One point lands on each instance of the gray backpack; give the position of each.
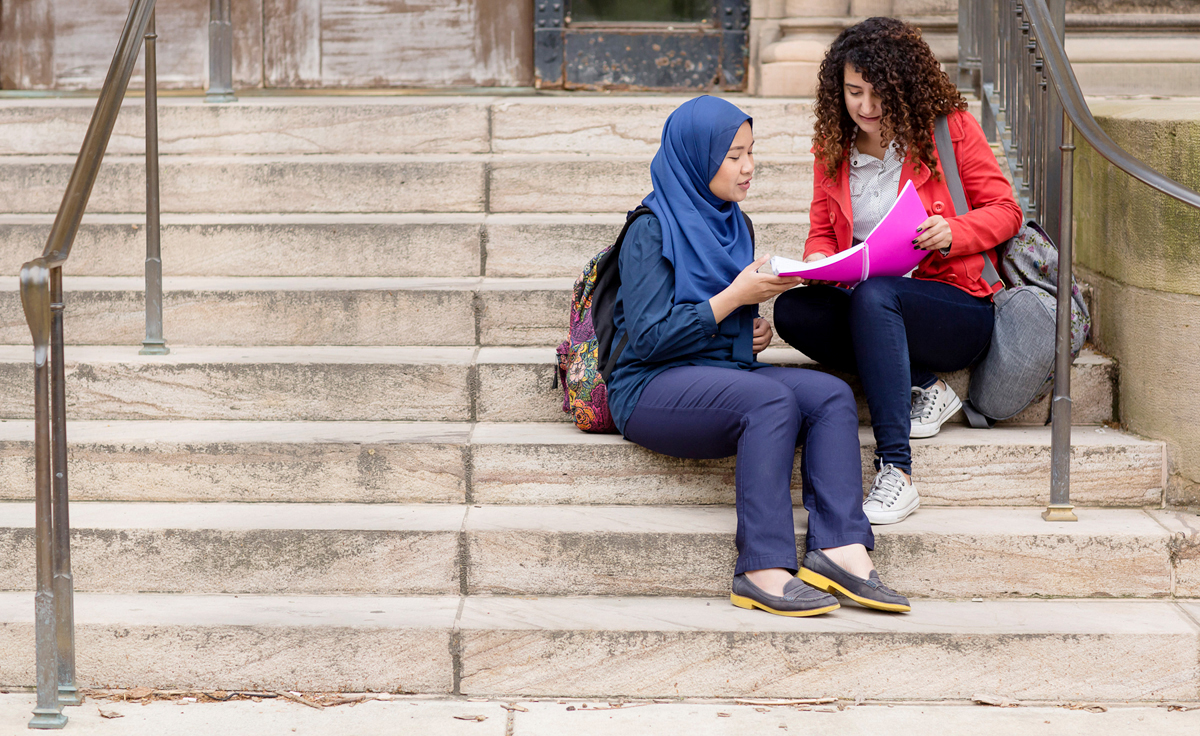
(1018, 367)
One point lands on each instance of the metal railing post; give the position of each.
(64, 587)
(42, 299)
(968, 47)
(35, 298)
(1060, 508)
(154, 342)
(1054, 128)
(220, 53)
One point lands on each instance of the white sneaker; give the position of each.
(931, 407)
(892, 498)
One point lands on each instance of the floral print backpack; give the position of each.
(586, 358)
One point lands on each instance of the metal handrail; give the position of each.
(1058, 69)
(42, 299)
(1020, 112)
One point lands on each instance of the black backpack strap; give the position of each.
(945, 151)
(608, 280)
(609, 270)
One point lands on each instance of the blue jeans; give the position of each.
(762, 416)
(894, 333)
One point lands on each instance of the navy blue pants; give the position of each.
(894, 333)
(762, 416)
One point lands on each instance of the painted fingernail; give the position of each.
(914, 241)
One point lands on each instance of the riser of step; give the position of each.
(307, 311)
(634, 647)
(372, 384)
(432, 549)
(326, 643)
(516, 384)
(621, 126)
(276, 311)
(935, 553)
(1035, 649)
(386, 462)
(376, 183)
(504, 246)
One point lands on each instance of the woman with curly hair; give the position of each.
(879, 93)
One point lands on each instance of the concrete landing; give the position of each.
(522, 717)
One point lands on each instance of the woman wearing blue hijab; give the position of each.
(687, 383)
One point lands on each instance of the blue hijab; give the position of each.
(704, 237)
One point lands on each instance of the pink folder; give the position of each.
(887, 250)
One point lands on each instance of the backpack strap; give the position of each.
(976, 419)
(945, 151)
(610, 266)
(608, 279)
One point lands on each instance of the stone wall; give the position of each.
(1140, 250)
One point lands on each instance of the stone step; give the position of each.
(373, 383)
(935, 553)
(395, 245)
(377, 183)
(1030, 650)
(256, 184)
(309, 311)
(617, 184)
(438, 549)
(294, 642)
(1052, 650)
(530, 395)
(292, 549)
(253, 383)
(515, 464)
(580, 123)
(554, 463)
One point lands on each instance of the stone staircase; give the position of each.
(352, 472)
(1116, 47)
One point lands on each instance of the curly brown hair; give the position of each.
(893, 58)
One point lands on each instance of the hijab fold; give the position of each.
(704, 237)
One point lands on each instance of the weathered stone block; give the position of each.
(555, 184)
(325, 643)
(1034, 650)
(306, 462)
(291, 549)
(253, 184)
(261, 245)
(257, 384)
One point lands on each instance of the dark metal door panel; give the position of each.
(641, 56)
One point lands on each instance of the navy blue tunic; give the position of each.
(663, 334)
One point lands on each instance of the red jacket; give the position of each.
(995, 215)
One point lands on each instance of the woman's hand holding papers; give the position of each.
(750, 287)
(934, 234)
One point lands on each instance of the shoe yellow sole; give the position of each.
(820, 582)
(742, 601)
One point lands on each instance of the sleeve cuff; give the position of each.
(708, 323)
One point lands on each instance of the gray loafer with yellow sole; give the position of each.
(824, 574)
(798, 599)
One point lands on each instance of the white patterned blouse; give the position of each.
(874, 187)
